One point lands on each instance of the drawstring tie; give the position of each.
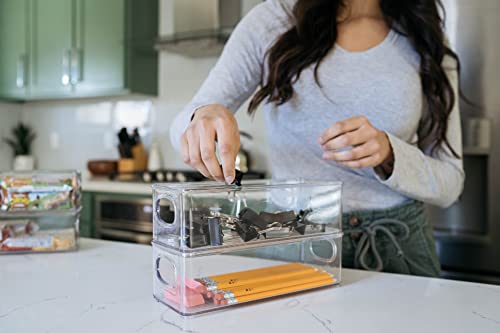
(367, 241)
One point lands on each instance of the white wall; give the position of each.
(10, 114)
(71, 132)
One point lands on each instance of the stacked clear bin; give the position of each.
(216, 246)
(39, 211)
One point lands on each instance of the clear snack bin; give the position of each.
(217, 246)
(39, 211)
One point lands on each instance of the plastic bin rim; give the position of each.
(208, 250)
(252, 185)
(40, 213)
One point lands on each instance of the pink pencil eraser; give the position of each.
(201, 289)
(193, 284)
(191, 297)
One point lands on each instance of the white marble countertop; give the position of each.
(107, 287)
(108, 186)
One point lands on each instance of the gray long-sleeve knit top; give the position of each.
(381, 83)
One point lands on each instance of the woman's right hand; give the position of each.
(210, 124)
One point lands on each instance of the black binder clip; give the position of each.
(238, 177)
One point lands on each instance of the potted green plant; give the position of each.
(20, 142)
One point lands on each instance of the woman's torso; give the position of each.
(381, 83)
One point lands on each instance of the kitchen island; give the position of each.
(107, 287)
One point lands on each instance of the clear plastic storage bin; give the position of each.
(39, 211)
(217, 246)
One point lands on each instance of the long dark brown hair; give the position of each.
(314, 33)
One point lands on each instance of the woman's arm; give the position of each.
(438, 179)
(230, 83)
(435, 179)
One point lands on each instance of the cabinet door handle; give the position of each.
(76, 66)
(21, 71)
(65, 78)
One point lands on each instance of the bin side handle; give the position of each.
(170, 227)
(158, 273)
(321, 259)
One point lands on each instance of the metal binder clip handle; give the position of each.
(276, 226)
(238, 177)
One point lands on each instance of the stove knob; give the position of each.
(146, 177)
(160, 176)
(181, 178)
(170, 176)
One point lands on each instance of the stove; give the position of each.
(172, 176)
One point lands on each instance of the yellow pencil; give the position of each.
(288, 281)
(258, 271)
(278, 292)
(218, 282)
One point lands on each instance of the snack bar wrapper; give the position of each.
(38, 192)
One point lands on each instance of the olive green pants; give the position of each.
(396, 240)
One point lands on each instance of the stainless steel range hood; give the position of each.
(199, 28)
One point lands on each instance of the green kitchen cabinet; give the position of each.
(77, 48)
(51, 44)
(87, 216)
(98, 57)
(13, 48)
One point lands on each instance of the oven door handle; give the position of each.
(129, 236)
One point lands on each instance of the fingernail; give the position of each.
(229, 179)
(324, 156)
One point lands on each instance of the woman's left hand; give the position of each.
(370, 147)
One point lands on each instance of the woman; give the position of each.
(360, 91)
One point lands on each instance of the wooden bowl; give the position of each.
(102, 167)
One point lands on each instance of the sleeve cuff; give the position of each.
(398, 150)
